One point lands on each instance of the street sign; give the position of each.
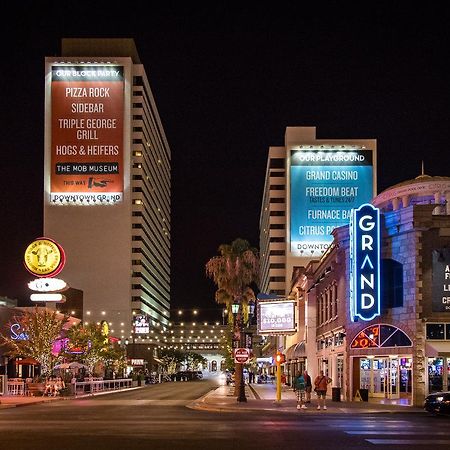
(241, 355)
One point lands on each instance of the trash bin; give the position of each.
(336, 394)
(364, 393)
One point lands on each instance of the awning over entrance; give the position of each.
(296, 351)
(435, 349)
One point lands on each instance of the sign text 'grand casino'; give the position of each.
(365, 263)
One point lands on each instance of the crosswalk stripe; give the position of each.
(429, 442)
(399, 433)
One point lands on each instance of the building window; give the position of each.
(277, 266)
(277, 253)
(277, 187)
(392, 284)
(436, 331)
(277, 226)
(274, 173)
(277, 200)
(276, 163)
(278, 213)
(378, 336)
(276, 239)
(277, 279)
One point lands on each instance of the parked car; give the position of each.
(438, 403)
(187, 375)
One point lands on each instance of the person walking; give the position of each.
(300, 389)
(320, 386)
(308, 385)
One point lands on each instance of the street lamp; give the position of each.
(239, 328)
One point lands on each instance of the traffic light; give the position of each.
(280, 358)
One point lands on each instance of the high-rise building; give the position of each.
(310, 187)
(107, 183)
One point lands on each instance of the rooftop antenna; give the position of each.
(423, 169)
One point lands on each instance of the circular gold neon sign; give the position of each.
(44, 258)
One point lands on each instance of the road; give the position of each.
(156, 417)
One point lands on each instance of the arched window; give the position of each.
(381, 335)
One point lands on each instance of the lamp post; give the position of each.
(239, 331)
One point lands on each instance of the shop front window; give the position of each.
(448, 374)
(435, 372)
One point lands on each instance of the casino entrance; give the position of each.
(387, 377)
(382, 364)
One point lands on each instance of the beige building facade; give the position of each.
(107, 183)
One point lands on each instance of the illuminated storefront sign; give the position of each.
(326, 184)
(87, 109)
(48, 297)
(137, 362)
(48, 285)
(441, 280)
(365, 262)
(16, 333)
(44, 258)
(276, 317)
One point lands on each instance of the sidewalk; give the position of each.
(262, 397)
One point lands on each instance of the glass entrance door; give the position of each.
(381, 375)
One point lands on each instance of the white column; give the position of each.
(334, 372)
(405, 201)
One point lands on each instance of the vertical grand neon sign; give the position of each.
(365, 263)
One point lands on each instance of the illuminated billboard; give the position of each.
(326, 184)
(87, 134)
(441, 280)
(141, 324)
(276, 317)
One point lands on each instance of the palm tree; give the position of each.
(234, 271)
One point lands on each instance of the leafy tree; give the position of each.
(114, 358)
(193, 360)
(172, 360)
(90, 342)
(39, 328)
(226, 349)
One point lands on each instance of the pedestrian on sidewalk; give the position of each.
(300, 390)
(308, 385)
(320, 386)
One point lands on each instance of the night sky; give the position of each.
(227, 82)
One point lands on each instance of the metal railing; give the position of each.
(93, 387)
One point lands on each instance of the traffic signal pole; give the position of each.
(278, 361)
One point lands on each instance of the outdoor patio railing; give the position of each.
(92, 387)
